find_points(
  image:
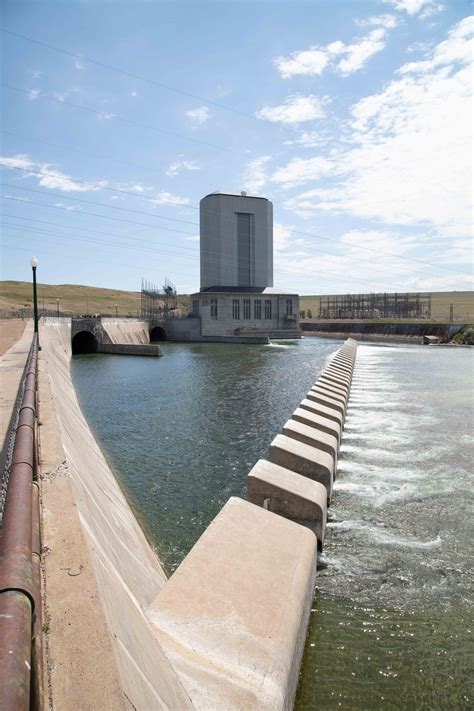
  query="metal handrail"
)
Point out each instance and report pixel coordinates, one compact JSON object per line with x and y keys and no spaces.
{"x":20,"y":606}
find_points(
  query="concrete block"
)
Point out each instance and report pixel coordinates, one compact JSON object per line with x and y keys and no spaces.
{"x":304,"y":460}
{"x":331,"y":392}
{"x":290,"y":495}
{"x":340,"y":388}
{"x":341,"y":366}
{"x":319,"y":409}
{"x":318,"y":422}
{"x":337,"y":376}
{"x":233,"y":617}
{"x":310,"y":435}
{"x":341,"y":371}
{"x":326,"y":401}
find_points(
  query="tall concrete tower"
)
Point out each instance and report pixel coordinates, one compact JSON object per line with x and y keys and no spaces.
{"x":236,"y":241}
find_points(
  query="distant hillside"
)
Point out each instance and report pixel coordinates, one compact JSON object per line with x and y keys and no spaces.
{"x":73,"y":299}
{"x":462,"y":301}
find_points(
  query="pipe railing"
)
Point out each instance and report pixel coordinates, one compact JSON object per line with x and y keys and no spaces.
{"x":20,"y":604}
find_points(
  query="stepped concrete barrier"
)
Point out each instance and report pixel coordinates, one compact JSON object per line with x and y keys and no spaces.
{"x":303,"y":459}
{"x":233,"y":617}
{"x":310,"y":435}
{"x":286,"y":493}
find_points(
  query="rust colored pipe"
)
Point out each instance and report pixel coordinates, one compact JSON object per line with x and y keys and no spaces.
{"x":18,"y":583}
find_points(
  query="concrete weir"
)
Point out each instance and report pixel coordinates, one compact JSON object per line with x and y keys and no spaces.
{"x":227,"y":630}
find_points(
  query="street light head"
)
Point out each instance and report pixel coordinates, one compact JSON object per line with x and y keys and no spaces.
{"x":34,"y":262}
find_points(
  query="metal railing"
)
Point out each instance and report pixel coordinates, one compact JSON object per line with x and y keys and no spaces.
{"x":20,"y":550}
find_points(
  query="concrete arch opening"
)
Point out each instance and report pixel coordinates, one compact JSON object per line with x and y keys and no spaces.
{"x":157,"y":334}
{"x":84,"y":342}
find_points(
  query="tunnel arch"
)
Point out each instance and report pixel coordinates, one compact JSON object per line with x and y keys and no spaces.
{"x":84,"y":342}
{"x":157,"y":334}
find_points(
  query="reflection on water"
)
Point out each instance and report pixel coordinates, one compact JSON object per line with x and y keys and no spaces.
{"x":391,"y":624}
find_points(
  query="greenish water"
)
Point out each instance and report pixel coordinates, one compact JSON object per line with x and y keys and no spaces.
{"x":391,"y":622}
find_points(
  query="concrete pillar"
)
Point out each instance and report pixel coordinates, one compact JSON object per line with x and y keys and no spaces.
{"x":322,"y":410}
{"x":304,"y":460}
{"x":288,"y":494}
{"x":318,"y":422}
{"x":232,"y":618}
{"x":326,"y":401}
{"x":310,"y":435}
{"x":340,"y":389}
{"x":330,"y":392}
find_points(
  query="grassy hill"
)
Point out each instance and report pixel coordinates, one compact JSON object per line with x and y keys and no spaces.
{"x":74,"y":299}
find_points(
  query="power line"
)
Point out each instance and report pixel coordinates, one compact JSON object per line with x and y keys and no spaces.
{"x":152,"y":82}
{"x":307,"y":275}
{"x":55,"y":224}
{"x":293,"y":231}
{"x":123,"y":119}
{"x":110,"y":158}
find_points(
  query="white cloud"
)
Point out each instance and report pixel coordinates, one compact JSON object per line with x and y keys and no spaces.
{"x":104,"y":116}
{"x":255,"y":175}
{"x":180,"y":165}
{"x":338,"y":56}
{"x":413,"y":7}
{"x":36,"y":74}
{"x":302,"y":170}
{"x":296,"y":109}
{"x":387,"y":21}
{"x":49,"y":177}
{"x":133,"y":93}
{"x":358,"y":53}
{"x":199,"y":115}
{"x":456,"y":48}
{"x":192,"y":238}
{"x":309,"y":62}
{"x":34,"y":94}
{"x":69,"y":208}
{"x":165,"y":197}
{"x":78,"y":64}
{"x":407,"y":161}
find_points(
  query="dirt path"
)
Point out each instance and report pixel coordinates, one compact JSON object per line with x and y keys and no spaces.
{"x":11,"y":329}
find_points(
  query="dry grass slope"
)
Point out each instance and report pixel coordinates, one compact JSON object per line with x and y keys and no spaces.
{"x":74,"y":299}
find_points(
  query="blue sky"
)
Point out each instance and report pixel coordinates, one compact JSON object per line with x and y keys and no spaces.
{"x":354,"y":118}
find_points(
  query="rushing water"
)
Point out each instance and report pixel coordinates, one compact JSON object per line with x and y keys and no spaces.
{"x":391,"y":622}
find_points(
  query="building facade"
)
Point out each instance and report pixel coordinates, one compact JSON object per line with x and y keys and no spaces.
{"x":237,"y":297}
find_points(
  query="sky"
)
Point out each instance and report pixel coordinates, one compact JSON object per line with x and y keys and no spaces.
{"x":353,"y":117}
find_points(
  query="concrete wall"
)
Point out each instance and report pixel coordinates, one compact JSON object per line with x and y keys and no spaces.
{"x":148,"y":349}
{"x":219,"y":244}
{"x":127,"y":572}
{"x":399,"y":331}
{"x":226,"y":325}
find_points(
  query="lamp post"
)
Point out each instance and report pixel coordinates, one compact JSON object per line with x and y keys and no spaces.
{"x":34,"y":264}
{"x":116,"y":310}
{"x":57,"y":307}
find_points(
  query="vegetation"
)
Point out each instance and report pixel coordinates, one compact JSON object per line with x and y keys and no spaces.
{"x":465,"y":336}
{"x":74,"y":299}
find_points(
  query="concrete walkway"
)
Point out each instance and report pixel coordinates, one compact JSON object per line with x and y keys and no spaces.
{"x":12,"y":364}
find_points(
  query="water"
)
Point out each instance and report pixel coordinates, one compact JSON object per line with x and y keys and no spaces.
{"x":391,"y":622}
